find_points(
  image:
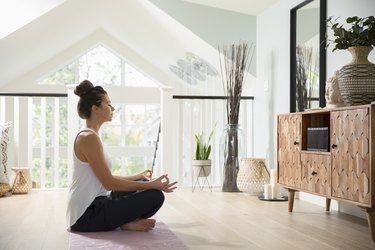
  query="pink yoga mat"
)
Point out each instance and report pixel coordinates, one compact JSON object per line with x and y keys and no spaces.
{"x":158,"y":238}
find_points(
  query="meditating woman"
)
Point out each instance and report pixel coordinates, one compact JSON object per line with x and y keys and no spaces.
{"x":98,"y":200}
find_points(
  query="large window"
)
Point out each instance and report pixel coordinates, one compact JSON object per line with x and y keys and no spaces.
{"x":133,"y":127}
{"x":102,"y":67}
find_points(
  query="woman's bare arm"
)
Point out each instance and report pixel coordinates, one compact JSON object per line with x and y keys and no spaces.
{"x":89,"y":148}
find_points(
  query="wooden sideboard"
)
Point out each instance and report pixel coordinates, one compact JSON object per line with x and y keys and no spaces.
{"x":345,"y":171}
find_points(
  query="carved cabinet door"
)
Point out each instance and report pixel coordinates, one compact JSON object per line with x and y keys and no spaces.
{"x":316,"y":173}
{"x":350,"y":154}
{"x":289,"y":149}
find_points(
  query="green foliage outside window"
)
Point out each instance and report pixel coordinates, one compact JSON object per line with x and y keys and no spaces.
{"x":134,"y":165}
{"x":64,"y":76}
{"x":63,"y":133}
{"x":101,"y":66}
{"x":111,"y":135}
{"x":116,"y":166}
{"x":63,"y":174}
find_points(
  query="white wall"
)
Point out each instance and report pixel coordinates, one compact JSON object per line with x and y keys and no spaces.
{"x":273,"y":67}
{"x":271,"y":91}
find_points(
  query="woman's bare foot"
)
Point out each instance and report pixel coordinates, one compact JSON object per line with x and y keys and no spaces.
{"x":142,"y":225}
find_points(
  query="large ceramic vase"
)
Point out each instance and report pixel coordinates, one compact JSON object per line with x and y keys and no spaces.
{"x":357,"y":79}
{"x":233,"y":146}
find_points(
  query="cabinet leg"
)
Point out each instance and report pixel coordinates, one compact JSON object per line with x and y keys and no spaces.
{"x":371,"y":221}
{"x":291,"y":193}
{"x":328,"y":204}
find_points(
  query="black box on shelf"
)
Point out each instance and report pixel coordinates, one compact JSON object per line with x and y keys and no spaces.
{"x":318,"y":139}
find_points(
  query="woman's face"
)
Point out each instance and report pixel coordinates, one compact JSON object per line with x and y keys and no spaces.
{"x":106,"y":109}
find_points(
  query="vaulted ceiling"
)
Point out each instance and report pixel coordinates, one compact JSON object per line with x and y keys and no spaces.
{"x":138,"y":30}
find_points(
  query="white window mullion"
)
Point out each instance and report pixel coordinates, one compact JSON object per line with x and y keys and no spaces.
{"x":43,"y":141}
{"x":123,"y":76}
{"x":180,"y":135}
{"x":30,"y":132}
{"x":123,"y":130}
{"x":56,"y":158}
{"x":2,"y":109}
{"x":16,"y":129}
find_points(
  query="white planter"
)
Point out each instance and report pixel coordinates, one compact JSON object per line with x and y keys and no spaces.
{"x":201,"y":168}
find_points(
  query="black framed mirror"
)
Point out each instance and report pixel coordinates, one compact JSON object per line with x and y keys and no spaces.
{"x":308,"y":55}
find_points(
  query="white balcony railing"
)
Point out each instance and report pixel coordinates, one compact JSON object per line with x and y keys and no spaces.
{"x":196,"y":114}
{"x":37,"y":136}
{"x":44,"y":126}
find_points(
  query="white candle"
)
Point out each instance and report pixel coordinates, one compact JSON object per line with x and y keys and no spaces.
{"x":267,"y":191}
{"x":276,"y":194}
{"x":273,"y":177}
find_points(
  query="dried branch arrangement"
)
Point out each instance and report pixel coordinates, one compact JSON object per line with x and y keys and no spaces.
{"x":234,"y":60}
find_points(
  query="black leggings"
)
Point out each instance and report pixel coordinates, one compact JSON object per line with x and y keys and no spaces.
{"x":110,"y":212}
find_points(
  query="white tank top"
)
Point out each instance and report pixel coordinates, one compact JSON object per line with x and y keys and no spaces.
{"x":84,"y":187}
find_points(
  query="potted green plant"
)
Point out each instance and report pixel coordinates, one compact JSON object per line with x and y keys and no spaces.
{"x":355,"y":79}
{"x":361,"y":32}
{"x":201,"y":163}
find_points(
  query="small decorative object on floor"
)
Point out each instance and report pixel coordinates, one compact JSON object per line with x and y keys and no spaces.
{"x":272,"y":191}
{"x":253,"y":175}
{"x":201,"y":164}
{"x":4,"y":189}
{"x":201,"y":169}
{"x":236,"y":60}
{"x":22,"y":181}
{"x":356,"y":79}
{"x":267,"y":191}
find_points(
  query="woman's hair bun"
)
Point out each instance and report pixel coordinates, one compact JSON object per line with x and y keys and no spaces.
{"x":83,"y":87}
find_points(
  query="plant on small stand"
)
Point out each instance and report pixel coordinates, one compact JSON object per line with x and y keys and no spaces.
{"x":201,"y":164}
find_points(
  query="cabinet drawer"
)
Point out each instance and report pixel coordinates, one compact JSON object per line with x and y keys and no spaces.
{"x":316,"y":173}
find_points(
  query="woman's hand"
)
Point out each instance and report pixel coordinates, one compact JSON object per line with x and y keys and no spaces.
{"x":146,"y":174}
{"x":162,"y":183}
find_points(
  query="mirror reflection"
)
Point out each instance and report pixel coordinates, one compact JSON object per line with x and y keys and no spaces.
{"x":307,"y":57}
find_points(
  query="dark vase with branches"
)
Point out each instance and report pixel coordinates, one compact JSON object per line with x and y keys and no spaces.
{"x":234,"y":62}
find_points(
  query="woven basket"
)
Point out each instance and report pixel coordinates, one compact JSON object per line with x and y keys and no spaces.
{"x":252,"y":175}
{"x":22,"y":182}
{"x":4,"y":188}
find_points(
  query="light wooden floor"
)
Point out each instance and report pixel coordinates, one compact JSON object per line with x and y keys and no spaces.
{"x":203,"y":220}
